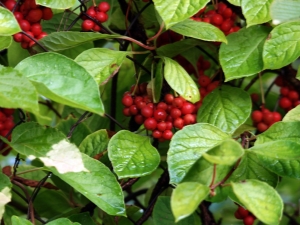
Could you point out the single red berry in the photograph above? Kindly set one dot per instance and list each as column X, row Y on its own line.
column 24, row 44
column 42, row 35
column 143, row 88
column 133, row 110
column 137, row 99
column 169, row 125
column 210, row 13
column 101, row 17
column 162, row 126
column 126, row 112
column 276, row 116
column 139, row 119
column 238, row 216
column 221, row 7
column 285, row 103
column 178, row 123
column 167, row 135
column 279, row 81
column 162, row 105
column 217, row 19
column 36, row 29
column 189, row 119
column 26, row 38
column 296, row 103
column 96, row 28
column 212, row 86
column 203, row 92
column 104, row 6
column 31, row 43
column 257, row 116
column 25, row 25
column 227, row 13
column 187, row 108
column 150, row 124
column 87, row 25
column 47, row 13
column 9, row 124
column 18, row 37
column 249, row 220
column 10, row 4
column 254, row 97
column 178, row 102
column 206, row 20
column 268, row 118
column 226, row 25
column 169, row 98
column 19, row 16
column 157, row 134
column 175, row 113
column 243, row 212
column 140, row 104
column 284, row 91
column 261, row 127
column 204, row 80
column 34, row 15
column 160, row 114
column 127, row 101
column 91, row 12
column 147, row 111
column 293, row 96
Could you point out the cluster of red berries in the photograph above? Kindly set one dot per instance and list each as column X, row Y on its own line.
column 243, row 214
column 98, row 13
column 29, row 15
column 6, row 124
column 223, row 18
column 289, row 96
column 263, row 119
column 201, row 65
column 160, row 118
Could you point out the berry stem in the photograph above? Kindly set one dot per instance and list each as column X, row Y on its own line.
column 158, row 33
column 137, row 42
column 36, row 41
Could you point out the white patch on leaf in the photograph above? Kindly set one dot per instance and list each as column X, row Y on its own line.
column 5, row 197
column 65, row 157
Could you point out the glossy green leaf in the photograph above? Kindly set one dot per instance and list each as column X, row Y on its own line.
column 235, row 2
column 132, row 155
column 62, row 40
column 5, row 42
column 62, row 221
column 260, row 199
column 180, row 81
column 284, row 10
column 15, row 220
column 94, row 143
column 62, row 80
column 101, row 63
column 226, row 108
column 250, row 168
column 8, row 23
column 17, row 91
column 292, row 115
column 57, row 4
column 158, row 81
column 285, row 131
column 186, row 198
column 5, row 195
column 281, row 157
column 242, row 56
column 199, row 30
column 174, row 11
column 162, row 214
column 285, row 37
column 227, row 153
column 188, row 145
column 256, row 11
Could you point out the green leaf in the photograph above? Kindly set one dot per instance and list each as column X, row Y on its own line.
column 227, row 153
column 180, row 81
column 188, row 145
column 186, row 198
column 281, row 157
column 15, row 220
column 256, row 11
column 57, row 4
column 285, row 37
column 17, row 91
column 82, row 218
column 162, row 214
column 132, row 155
column 8, row 23
column 235, row 2
column 226, row 108
column 62, row 221
column 158, row 81
column 62, row 80
column 94, row 143
column 285, row 131
column 199, row 30
column 5, row 195
column 242, row 56
column 250, row 168
column 284, row 10
column 260, row 199
column 292, row 115
column 51, row 147
column 62, row 40
column 175, row 11
column 5, row 42
column 101, row 63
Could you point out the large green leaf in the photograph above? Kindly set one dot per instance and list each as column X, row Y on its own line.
column 132, row 155
column 285, row 131
column 242, row 56
column 283, row 45
column 180, row 81
column 8, row 23
column 174, row 11
column 57, row 4
column 5, row 195
column 62, row 40
column 260, row 199
column 226, row 108
column 235, row 2
column 186, row 198
column 284, row 10
column 292, row 115
column 101, row 63
column 281, row 157
column 5, row 42
column 62, row 80
column 199, row 30
column 15, row 220
column 17, row 91
column 188, row 145
column 227, row 153
column 256, row 11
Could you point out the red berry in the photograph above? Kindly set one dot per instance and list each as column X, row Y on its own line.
column 126, row 112
column 43, row 34
column 254, row 97
column 189, row 119
column 101, row 17
column 157, row 134
column 212, row 86
column 162, row 105
column 178, row 102
column 25, row 25
column 187, row 108
column 204, row 80
column 3, row 133
column 167, row 135
column 178, row 123
column 150, row 124
column 268, row 118
column 257, row 116
column 36, row 29
column 24, row 44
column 19, row 16
column 243, row 212
column 221, row 7
column 206, row 20
column 293, row 95
column 47, row 13
column 276, row 116
column 160, row 114
column 249, row 220
column 226, row 25
column 8, row 112
column 227, row 13
column 9, row 124
column 137, row 99
column 10, row 4
column 238, row 216
column 2, row 116
column 279, row 81
column 2, row 127
column 96, row 28
column 87, row 25
column 127, row 101
column 169, row 125
column 175, row 113
column 284, row 91
column 147, row 111
column 140, row 104
column 296, row 103
column 91, row 12
column 169, row 98
column 285, row 103
column 162, row 126
column 34, row 15
column 133, row 110
column 18, row 37
column 217, row 19
column 26, row 38
column 261, row 127
column 205, row 65
column 104, row 6
column 139, row 119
